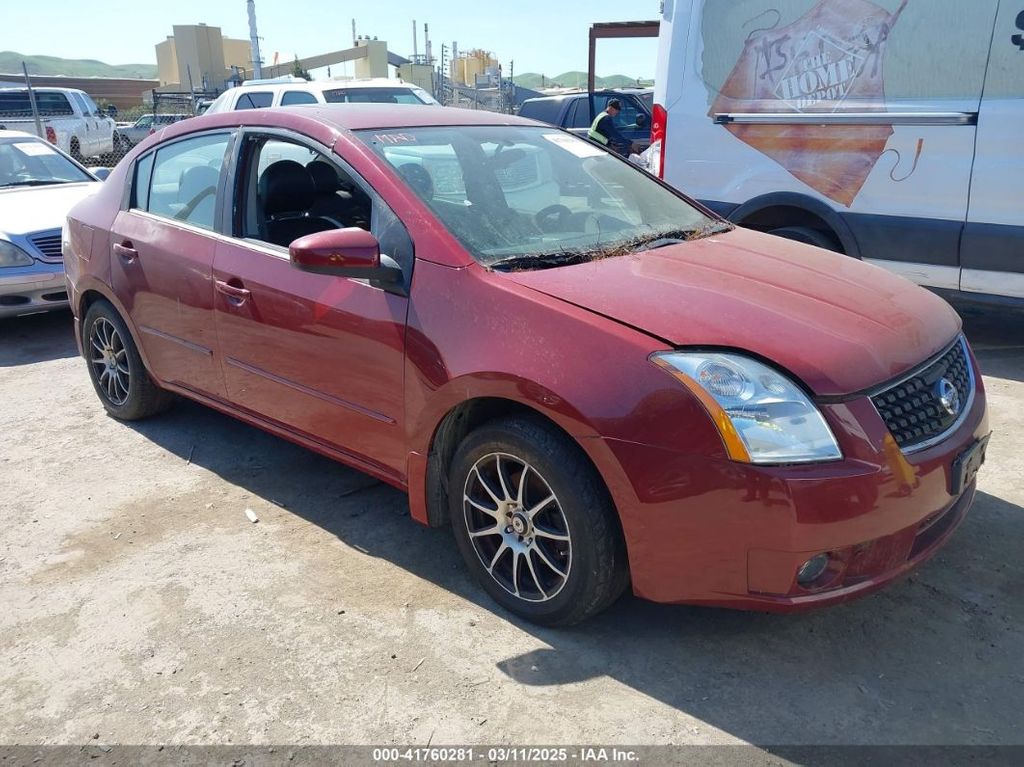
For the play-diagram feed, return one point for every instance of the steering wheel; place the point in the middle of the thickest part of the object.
(553, 218)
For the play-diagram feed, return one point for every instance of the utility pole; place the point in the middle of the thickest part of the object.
(254, 41)
(444, 63)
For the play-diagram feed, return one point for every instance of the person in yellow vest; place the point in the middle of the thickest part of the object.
(604, 132)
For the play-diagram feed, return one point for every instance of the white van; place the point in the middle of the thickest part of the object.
(891, 130)
(289, 91)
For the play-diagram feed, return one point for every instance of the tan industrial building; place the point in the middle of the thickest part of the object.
(199, 57)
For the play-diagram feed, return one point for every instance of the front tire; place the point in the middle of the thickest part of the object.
(116, 369)
(534, 522)
(808, 236)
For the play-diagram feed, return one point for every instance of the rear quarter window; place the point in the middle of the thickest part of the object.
(298, 97)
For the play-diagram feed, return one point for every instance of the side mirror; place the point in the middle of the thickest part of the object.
(350, 252)
(641, 119)
(101, 173)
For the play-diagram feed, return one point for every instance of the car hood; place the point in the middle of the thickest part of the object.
(24, 210)
(838, 324)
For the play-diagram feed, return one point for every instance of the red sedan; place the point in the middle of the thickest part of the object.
(592, 379)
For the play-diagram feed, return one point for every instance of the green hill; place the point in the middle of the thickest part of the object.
(10, 63)
(574, 79)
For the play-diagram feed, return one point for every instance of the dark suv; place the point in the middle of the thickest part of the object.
(573, 111)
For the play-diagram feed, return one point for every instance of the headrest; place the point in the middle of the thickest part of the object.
(418, 178)
(325, 177)
(195, 180)
(286, 187)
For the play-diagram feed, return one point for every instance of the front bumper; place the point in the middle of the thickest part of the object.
(30, 289)
(714, 532)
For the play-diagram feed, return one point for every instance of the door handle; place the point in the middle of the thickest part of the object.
(236, 295)
(125, 251)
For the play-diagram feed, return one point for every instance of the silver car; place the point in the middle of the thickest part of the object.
(38, 186)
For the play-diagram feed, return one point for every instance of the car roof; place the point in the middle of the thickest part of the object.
(325, 85)
(347, 117)
(632, 90)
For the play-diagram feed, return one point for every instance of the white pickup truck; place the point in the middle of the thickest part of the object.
(70, 119)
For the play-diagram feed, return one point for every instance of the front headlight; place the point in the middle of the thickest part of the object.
(12, 255)
(763, 416)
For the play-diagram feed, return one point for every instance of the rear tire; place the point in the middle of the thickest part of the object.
(809, 236)
(534, 522)
(76, 151)
(120, 378)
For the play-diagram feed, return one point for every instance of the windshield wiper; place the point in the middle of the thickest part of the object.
(35, 182)
(540, 260)
(665, 239)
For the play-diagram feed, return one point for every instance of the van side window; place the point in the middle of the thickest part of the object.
(184, 180)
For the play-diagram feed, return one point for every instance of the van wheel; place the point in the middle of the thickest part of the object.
(809, 236)
(534, 522)
(115, 367)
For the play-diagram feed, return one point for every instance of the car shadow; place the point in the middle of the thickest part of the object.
(932, 659)
(37, 338)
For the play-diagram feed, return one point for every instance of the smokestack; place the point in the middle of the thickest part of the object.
(415, 51)
(254, 41)
(426, 43)
(354, 38)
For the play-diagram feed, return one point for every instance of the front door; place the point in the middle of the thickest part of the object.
(162, 260)
(322, 355)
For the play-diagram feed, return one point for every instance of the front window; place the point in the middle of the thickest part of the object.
(536, 197)
(255, 100)
(30, 162)
(381, 95)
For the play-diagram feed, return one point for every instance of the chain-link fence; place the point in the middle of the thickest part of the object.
(97, 135)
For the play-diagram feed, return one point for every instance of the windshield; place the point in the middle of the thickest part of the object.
(31, 162)
(382, 95)
(534, 197)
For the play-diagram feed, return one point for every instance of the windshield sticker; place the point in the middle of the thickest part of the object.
(34, 148)
(395, 138)
(823, 62)
(578, 147)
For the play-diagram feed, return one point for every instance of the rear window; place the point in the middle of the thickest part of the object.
(374, 96)
(255, 100)
(545, 110)
(16, 104)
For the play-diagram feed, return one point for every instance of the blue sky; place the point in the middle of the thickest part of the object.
(541, 36)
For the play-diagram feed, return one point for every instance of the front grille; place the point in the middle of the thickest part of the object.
(48, 245)
(912, 408)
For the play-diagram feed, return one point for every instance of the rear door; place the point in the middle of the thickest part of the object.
(162, 259)
(993, 244)
(319, 354)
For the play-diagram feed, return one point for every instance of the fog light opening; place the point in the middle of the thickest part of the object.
(811, 570)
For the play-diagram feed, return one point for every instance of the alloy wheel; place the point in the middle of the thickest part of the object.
(517, 527)
(109, 360)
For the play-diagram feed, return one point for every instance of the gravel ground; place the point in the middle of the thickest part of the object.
(140, 605)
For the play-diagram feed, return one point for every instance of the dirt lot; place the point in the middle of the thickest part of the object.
(139, 604)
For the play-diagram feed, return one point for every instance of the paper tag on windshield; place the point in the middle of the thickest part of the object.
(34, 148)
(577, 146)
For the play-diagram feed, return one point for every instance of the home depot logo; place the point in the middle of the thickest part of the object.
(823, 71)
